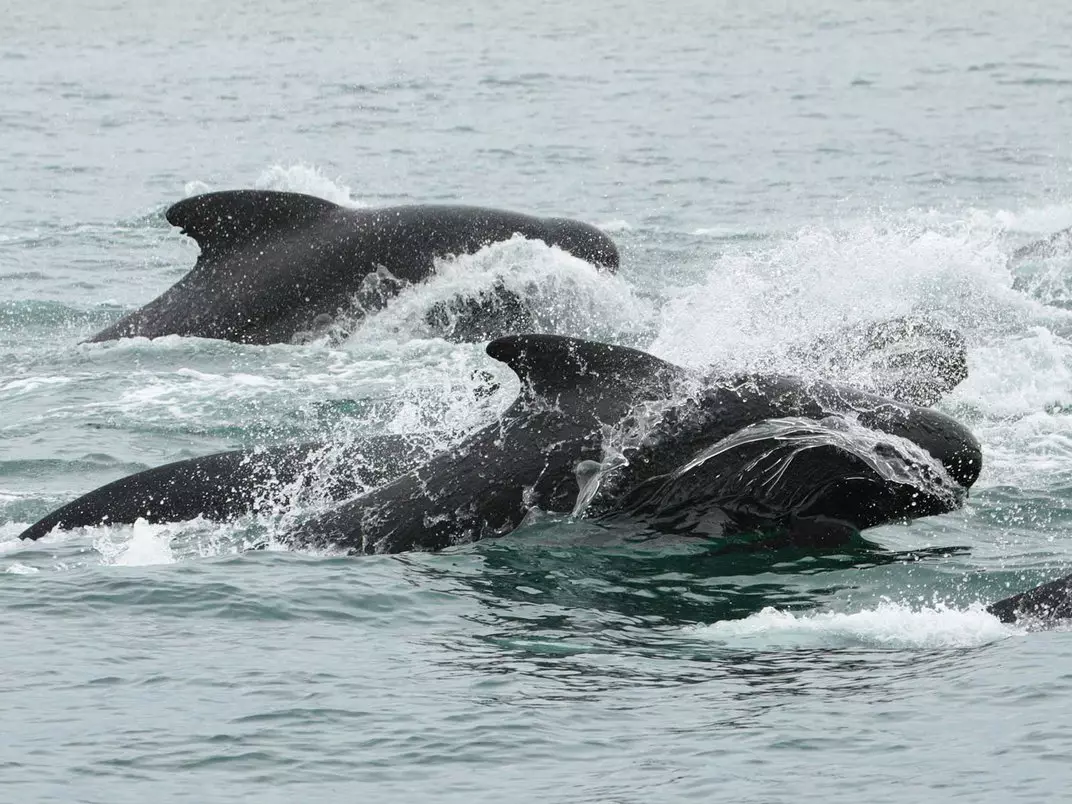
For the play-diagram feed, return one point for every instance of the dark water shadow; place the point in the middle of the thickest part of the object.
(681, 582)
(564, 622)
(579, 620)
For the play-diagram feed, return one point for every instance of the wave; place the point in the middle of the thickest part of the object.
(558, 292)
(888, 625)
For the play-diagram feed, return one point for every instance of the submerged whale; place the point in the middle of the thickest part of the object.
(1057, 244)
(911, 358)
(1041, 270)
(274, 264)
(692, 466)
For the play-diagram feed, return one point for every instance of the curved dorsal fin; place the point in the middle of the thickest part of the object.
(549, 364)
(225, 220)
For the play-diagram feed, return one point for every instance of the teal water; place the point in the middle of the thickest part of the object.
(770, 173)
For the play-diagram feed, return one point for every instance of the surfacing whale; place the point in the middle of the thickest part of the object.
(546, 453)
(914, 361)
(1046, 604)
(1043, 270)
(811, 462)
(274, 264)
(225, 485)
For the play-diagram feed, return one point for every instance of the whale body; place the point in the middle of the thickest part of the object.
(1046, 604)
(541, 453)
(274, 265)
(911, 360)
(226, 485)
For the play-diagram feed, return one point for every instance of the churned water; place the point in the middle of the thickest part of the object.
(771, 171)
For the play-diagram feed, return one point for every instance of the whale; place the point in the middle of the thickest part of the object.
(688, 462)
(917, 361)
(1047, 604)
(225, 485)
(1040, 270)
(278, 266)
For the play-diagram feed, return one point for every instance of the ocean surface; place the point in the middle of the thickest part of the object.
(771, 172)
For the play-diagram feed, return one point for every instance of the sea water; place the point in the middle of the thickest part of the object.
(770, 171)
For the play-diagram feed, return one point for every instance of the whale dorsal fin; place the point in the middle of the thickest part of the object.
(549, 365)
(227, 220)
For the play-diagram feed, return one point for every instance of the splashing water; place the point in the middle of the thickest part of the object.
(755, 305)
(296, 178)
(748, 306)
(560, 293)
(146, 544)
(1036, 221)
(619, 441)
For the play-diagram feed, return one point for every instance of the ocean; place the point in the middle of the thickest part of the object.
(770, 171)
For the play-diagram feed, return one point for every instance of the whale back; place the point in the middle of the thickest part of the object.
(278, 265)
(570, 389)
(1047, 603)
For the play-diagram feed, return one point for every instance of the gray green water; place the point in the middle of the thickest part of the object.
(770, 170)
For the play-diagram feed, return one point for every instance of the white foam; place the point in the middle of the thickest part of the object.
(1022, 388)
(192, 188)
(1026, 372)
(295, 178)
(888, 625)
(721, 232)
(148, 544)
(164, 343)
(309, 179)
(753, 304)
(25, 385)
(11, 543)
(565, 294)
(21, 569)
(230, 380)
(1043, 220)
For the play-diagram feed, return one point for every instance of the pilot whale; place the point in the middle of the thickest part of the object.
(917, 361)
(910, 358)
(1041, 270)
(275, 264)
(226, 485)
(1046, 604)
(809, 461)
(546, 452)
